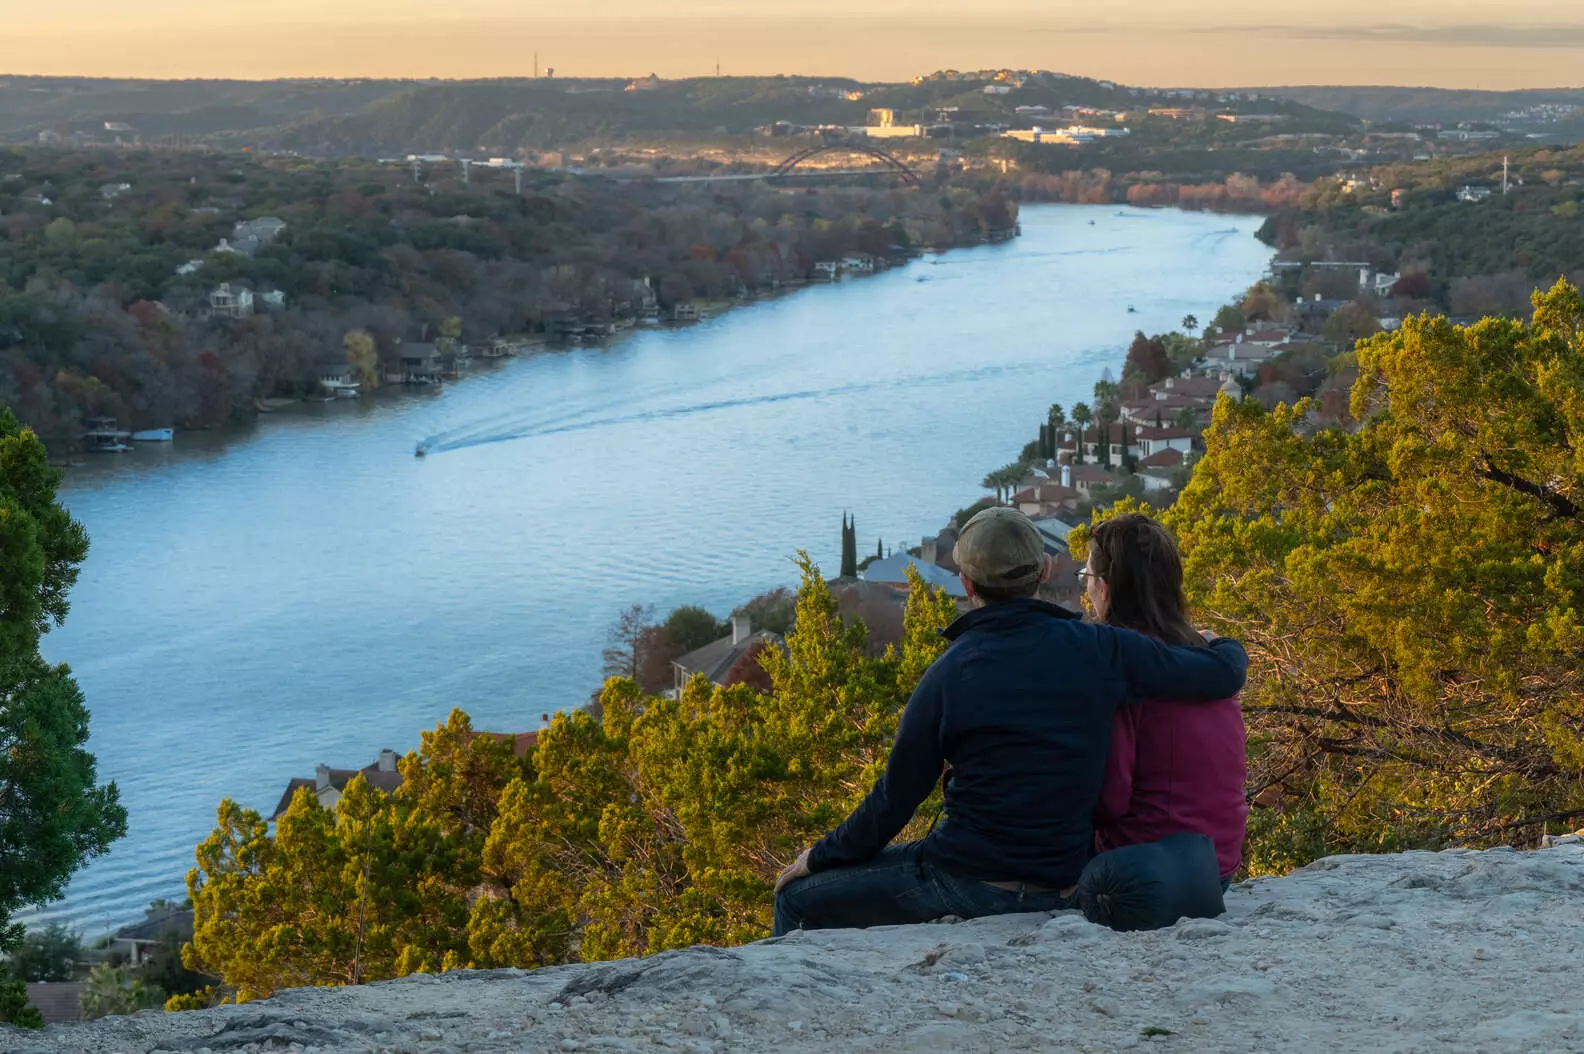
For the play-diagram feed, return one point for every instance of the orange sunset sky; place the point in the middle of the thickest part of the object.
(1450, 43)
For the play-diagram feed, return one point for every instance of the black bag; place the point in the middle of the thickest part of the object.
(1148, 887)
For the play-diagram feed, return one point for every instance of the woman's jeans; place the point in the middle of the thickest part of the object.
(894, 888)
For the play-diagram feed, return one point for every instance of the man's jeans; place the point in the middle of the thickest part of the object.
(894, 888)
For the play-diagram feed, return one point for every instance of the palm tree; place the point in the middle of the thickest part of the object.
(1056, 416)
(1189, 324)
(1081, 417)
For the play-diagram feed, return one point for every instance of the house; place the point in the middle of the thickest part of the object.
(190, 267)
(686, 311)
(59, 1002)
(1252, 118)
(273, 299)
(1473, 195)
(249, 236)
(111, 191)
(729, 660)
(328, 783)
(892, 571)
(649, 83)
(1239, 357)
(1158, 469)
(138, 941)
(1153, 440)
(1120, 438)
(228, 301)
(1047, 500)
(1166, 406)
(1085, 478)
(827, 269)
(859, 263)
(1033, 111)
(1187, 387)
(416, 364)
(1055, 531)
(998, 89)
(339, 379)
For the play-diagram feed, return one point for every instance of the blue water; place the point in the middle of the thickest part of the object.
(307, 591)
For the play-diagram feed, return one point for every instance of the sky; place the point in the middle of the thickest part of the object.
(1209, 43)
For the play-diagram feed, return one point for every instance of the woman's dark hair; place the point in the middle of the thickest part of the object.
(1138, 560)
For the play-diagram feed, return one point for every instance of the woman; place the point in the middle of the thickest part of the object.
(1174, 765)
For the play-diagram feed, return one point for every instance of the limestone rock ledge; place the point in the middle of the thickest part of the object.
(1454, 951)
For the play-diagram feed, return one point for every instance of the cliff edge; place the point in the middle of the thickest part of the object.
(1458, 950)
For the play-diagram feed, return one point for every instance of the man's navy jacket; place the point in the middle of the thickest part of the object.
(1021, 707)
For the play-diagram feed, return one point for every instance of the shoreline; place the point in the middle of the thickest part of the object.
(531, 345)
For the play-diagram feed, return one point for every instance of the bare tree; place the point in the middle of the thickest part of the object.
(622, 652)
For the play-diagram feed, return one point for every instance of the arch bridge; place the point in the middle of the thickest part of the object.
(890, 161)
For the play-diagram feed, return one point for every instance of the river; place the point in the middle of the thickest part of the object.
(307, 591)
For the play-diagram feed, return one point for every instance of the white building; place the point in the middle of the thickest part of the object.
(229, 302)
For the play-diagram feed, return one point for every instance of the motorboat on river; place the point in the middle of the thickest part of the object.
(154, 435)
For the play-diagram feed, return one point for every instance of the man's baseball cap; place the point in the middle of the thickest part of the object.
(1000, 548)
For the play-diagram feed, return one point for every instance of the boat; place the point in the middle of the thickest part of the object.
(154, 435)
(1132, 310)
(102, 436)
(419, 452)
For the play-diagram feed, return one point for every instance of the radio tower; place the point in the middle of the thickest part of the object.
(1506, 184)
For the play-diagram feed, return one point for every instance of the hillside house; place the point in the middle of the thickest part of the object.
(1152, 441)
(249, 236)
(416, 364)
(328, 783)
(139, 941)
(727, 661)
(892, 571)
(228, 301)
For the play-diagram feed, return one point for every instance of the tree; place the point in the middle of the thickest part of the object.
(691, 627)
(1081, 417)
(53, 817)
(1230, 319)
(49, 954)
(1187, 419)
(1408, 590)
(1056, 417)
(14, 1006)
(111, 990)
(849, 548)
(361, 356)
(622, 656)
(1190, 324)
(1147, 362)
(1107, 410)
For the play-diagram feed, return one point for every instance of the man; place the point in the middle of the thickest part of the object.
(1020, 707)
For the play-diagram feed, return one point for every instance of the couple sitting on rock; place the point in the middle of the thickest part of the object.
(1060, 739)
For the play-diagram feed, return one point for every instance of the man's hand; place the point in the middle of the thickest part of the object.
(795, 870)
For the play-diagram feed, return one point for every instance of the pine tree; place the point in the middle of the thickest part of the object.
(849, 548)
(14, 1006)
(54, 816)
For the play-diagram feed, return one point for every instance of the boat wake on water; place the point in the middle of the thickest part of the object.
(495, 430)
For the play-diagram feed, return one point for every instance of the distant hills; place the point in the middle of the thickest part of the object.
(331, 117)
(507, 116)
(1438, 105)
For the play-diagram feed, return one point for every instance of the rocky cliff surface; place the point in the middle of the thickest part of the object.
(1457, 950)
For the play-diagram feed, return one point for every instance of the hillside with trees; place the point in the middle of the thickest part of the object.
(1466, 257)
(108, 261)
